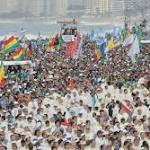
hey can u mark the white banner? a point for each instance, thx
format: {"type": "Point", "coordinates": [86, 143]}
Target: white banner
{"type": "Point", "coordinates": [14, 63]}
{"type": "Point", "coordinates": [68, 38]}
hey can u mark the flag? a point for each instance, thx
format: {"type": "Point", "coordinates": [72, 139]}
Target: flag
{"type": "Point", "coordinates": [58, 42]}
{"type": "Point", "coordinates": [53, 43]}
{"type": "Point", "coordinates": [124, 34]}
{"type": "Point", "coordinates": [70, 49]}
{"type": "Point", "coordinates": [111, 45]}
{"type": "Point", "coordinates": [139, 33]}
{"type": "Point", "coordinates": [61, 41]}
{"type": "Point", "coordinates": [132, 44]}
{"type": "Point", "coordinates": [11, 45]}
{"type": "Point", "coordinates": [97, 55]}
{"type": "Point", "coordinates": [125, 108]}
{"type": "Point", "coordinates": [19, 54]}
{"type": "Point", "coordinates": [102, 48]}
{"type": "Point", "coordinates": [50, 45]}
{"type": "Point", "coordinates": [2, 75]}
{"type": "Point", "coordinates": [73, 48]}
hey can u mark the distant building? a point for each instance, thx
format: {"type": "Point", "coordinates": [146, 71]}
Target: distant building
{"type": "Point", "coordinates": [102, 7]}
{"type": "Point", "coordinates": [3, 6]}
{"type": "Point", "coordinates": [97, 7]}
{"type": "Point", "coordinates": [62, 7]}
{"type": "Point", "coordinates": [36, 7]}
{"type": "Point", "coordinates": [6, 6]}
{"type": "Point", "coordinates": [89, 6]}
{"type": "Point", "coordinates": [75, 8]}
{"type": "Point", "coordinates": [54, 7]}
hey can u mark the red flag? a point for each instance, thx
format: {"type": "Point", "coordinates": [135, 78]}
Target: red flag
{"type": "Point", "coordinates": [71, 49]}
{"type": "Point", "coordinates": [54, 41]}
{"type": "Point", "coordinates": [125, 108]}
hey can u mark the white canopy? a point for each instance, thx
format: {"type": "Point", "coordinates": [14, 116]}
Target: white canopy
{"type": "Point", "coordinates": [14, 63]}
{"type": "Point", "coordinates": [145, 41]}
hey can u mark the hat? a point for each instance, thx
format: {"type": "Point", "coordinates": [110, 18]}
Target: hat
{"type": "Point", "coordinates": [16, 103]}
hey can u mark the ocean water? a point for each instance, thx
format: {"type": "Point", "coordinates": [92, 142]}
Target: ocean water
{"type": "Point", "coordinates": [44, 28]}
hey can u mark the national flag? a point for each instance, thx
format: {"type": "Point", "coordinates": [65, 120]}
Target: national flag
{"type": "Point", "coordinates": [70, 49]}
{"type": "Point", "coordinates": [61, 41]}
{"type": "Point", "coordinates": [111, 45]}
{"type": "Point", "coordinates": [19, 54]}
{"type": "Point", "coordinates": [50, 46]}
{"type": "Point", "coordinates": [56, 41]}
{"type": "Point", "coordinates": [124, 34]}
{"type": "Point", "coordinates": [97, 55]}
{"type": "Point", "coordinates": [132, 44]}
{"type": "Point", "coordinates": [53, 43]}
{"type": "Point", "coordinates": [139, 33]}
{"type": "Point", "coordinates": [2, 75]}
{"type": "Point", "coordinates": [11, 45]}
{"type": "Point", "coordinates": [102, 48]}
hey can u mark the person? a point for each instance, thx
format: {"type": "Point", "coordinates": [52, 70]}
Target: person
{"type": "Point", "coordinates": [132, 45]}
{"type": "Point", "coordinates": [104, 109]}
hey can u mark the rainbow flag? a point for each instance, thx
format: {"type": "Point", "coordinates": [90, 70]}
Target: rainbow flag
{"type": "Point", "coordinates": [11, 45]}
{"type": "Point", "coordinates": [19, 54]}
{"type": "Point", "coordinates": [2, 75]}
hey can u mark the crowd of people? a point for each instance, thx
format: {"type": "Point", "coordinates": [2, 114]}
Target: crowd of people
{"type": "Point", "coordinates": [70, 31]}
{"type": "Point", "coordinates": [68, 104]}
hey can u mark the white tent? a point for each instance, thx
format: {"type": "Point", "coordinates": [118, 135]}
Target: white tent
{"type": "Point", "coordinates": [14, 63]}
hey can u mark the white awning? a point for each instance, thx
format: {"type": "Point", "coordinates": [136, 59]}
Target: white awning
{"type": "Point", "coordinates": [14, 63]}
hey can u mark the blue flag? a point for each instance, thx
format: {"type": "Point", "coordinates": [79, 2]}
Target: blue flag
{"type": "Point", "coordinates": [102, 48]}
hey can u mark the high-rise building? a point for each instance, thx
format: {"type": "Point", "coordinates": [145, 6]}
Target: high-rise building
{"type": "Point", "coordinates": [75, 8]}
{"type": "Point", "coordinates": [118, 7]}
{"type": "Point", "coordinates": [101, 6]}
{"type": "Point", "coordinates": [47, 9]}
{"type": "Point", "coordinates": [30, 8]}
{"type": "Point", "coordinates": [7, 6]}
{"type": "Point", "coordinates": [3, 6]}
{"type": "Point", "coordinates": [54, 7]}
{"type": "Point", "coordinates": [61, 7]}
{"type": "Point", "coordinates": [89, 6]}
{"type": "Point", "coordinates": [97, 6]}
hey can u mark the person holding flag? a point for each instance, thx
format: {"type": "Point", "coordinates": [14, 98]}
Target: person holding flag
{"type": "Point", "coordinates": [132, 44]}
